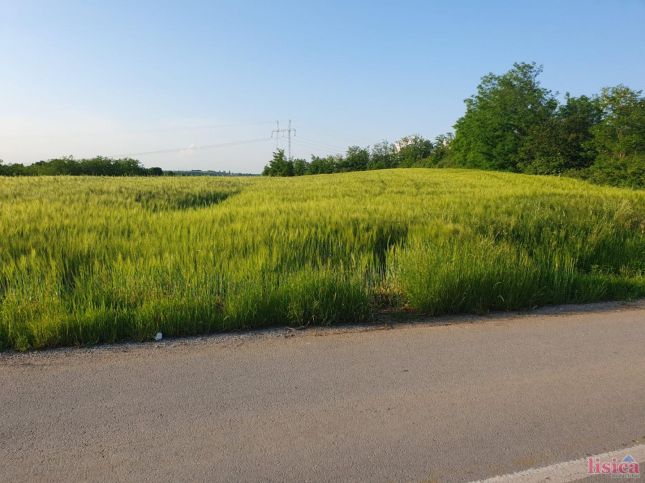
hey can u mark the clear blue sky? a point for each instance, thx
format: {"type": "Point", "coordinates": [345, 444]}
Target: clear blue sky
{"type": "Point", "coordinates": [120, 77]}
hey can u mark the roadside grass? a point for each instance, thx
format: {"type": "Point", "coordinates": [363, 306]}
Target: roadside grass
{"type": "Point", "coordinates": [93, 260]}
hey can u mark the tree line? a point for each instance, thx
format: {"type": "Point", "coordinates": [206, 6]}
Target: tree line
{"type": "Point", "coordinates": [98, 166]}
{"type": "Point", "coordinates": [410, 151]}
{"type": "Point", "coordinates": [512, 123]}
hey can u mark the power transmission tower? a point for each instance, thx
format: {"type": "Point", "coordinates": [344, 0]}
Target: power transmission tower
{"type": "Point", "coordinates": [281, 133]}
{"type": "Point", "coordinates": [276, 131]}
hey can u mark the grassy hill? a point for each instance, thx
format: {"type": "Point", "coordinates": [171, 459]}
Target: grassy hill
{"type": "Point", "coordinates": [89, 260]}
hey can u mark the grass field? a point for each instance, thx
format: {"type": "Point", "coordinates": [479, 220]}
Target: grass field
{"type": "Point", "coordinates": [90, 260]}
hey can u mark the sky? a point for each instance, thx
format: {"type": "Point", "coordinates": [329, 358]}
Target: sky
{"type": "Point", "coordinates": [200, 84]}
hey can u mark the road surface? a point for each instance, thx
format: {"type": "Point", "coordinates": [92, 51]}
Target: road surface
{"type": "Point", "coordinates": [456, 399]}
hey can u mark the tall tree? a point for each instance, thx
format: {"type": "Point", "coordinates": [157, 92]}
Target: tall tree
{"type": "Point", "coordinates": [300, 167]}
{"type": "Point", "coordinates": [619, 139]}
{"type": "Point", "coordinates": [500, 117]}
{"type": "Point", "coordinates": [322, 165]}
{"type": "Point", "coordinates": [279, 165]}
{"type": "Point", "coordinates": [561, 142]}
{"type": "Point", "coordinates": [357, 158]}
{"type": "Point", "coordinates": [442, 150]}
{"type": "Point", "coordinates": [412, 150]}
{"type": "Point", "coordinates": [622, 130]}
{"type": "Point", "coordinates": [577, 118]}
{"type": "Point", "coordinates": [382, 156]}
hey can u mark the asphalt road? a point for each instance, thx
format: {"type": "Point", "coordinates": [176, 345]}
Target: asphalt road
{"type": "Point", "coordinates": [457, 400]}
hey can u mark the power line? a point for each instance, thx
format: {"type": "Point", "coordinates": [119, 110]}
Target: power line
{"type": "Point", "coordinates": [191, 148]}
{"type": "Point", "coordinates": [276, 134]}
{"type": "Point", "coordinates": [317, 150]}
{"type": "Point", "coordinates": [320, 145]}
{"type": "Point", "coordinates": [205, 126]}
{"type": "Point", "coordinates": [336, 137]}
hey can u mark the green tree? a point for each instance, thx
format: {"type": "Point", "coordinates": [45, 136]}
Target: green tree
{"type": "Point", "coordinates": [300, 167]}
{"type": "Point", "coordinates": [357, 158]}
{"type": "Point", "coordinates": [412, 150]}
{"type": "Point", "coordinates": [441, 151]}
{"type": "Point", "coordinates": [577, 117]}
{"type": "Point", "coordinates": [68, 166]}
{"type": "Point", "coordinates": [383, 156]}
{"type": "Point", "coordinates": [561, 142]}
{"type": "Point", "coordinates": [619, 139]}
{"type": "Point", "coordinates": [279, 165]}
{"type": "Point", "coordinates": [621, 131]}
{"type": "Point", "coordinates": [322, 165]}
{"type": "Point", "coordinates": [500, 117]}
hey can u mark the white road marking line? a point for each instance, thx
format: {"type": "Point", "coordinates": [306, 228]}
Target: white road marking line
{"type": "Point", "coordinates": [570, 470]}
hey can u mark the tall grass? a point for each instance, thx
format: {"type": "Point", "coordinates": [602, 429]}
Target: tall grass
{"type": "Point", "coordinates": [90, 260]}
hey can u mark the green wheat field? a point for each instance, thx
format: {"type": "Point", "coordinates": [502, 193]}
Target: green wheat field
{"type": "Point", "coordinates": [94, 260]}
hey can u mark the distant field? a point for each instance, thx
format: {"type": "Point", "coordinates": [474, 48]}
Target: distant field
{"type": "Point", "coordinates": [90, 260]}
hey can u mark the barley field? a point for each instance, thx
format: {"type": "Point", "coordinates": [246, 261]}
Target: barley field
{"type": "Point", "coordinates": [93, 260]}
